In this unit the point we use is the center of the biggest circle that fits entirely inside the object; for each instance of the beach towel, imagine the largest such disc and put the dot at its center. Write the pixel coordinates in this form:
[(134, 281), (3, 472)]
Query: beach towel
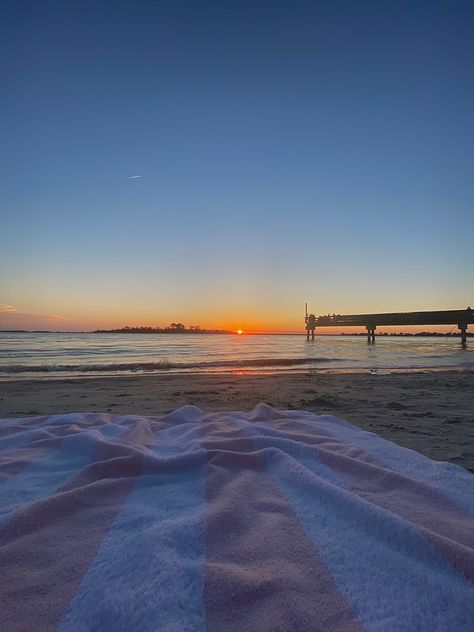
[(263, 521)]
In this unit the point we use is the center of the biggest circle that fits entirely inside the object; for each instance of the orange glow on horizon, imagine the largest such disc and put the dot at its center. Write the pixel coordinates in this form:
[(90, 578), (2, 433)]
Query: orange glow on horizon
[(245, 322)]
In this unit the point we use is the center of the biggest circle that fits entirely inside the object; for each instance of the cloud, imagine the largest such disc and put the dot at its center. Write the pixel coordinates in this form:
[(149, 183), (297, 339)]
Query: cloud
[(11, 311), (135, 177), (53, 316)]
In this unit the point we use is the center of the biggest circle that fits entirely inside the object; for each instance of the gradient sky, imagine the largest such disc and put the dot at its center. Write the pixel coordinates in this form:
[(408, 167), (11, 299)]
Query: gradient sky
[(287, 151)]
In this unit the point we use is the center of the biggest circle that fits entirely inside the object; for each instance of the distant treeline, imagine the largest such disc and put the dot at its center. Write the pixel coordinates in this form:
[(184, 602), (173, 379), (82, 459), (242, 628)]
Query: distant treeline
[(174, 328)]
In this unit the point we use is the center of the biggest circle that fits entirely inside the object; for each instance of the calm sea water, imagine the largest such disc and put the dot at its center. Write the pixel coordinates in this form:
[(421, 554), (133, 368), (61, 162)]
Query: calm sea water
[(24, 355)]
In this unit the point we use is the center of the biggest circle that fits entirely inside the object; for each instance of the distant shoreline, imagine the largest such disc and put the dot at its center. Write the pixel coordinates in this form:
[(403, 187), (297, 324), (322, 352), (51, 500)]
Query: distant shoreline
[(144, 330), (423, 334)]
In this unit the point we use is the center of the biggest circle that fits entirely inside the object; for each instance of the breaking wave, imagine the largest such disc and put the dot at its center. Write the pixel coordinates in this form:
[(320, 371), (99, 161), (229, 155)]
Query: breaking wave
[(163, 365)]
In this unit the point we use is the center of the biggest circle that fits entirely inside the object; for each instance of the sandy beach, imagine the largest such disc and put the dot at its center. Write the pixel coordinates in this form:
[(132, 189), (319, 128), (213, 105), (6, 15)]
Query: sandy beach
[(432, 413)]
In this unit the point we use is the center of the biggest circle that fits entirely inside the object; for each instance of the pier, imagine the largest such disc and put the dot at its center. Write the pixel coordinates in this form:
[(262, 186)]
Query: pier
[(459, 317)]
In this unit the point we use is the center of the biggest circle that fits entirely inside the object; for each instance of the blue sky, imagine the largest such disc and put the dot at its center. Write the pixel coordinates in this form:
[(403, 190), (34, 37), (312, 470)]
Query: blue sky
[(316, 151)]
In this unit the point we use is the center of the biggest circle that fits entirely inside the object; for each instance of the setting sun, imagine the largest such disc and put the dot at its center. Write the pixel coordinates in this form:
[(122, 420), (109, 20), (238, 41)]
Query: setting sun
[(240, 332)]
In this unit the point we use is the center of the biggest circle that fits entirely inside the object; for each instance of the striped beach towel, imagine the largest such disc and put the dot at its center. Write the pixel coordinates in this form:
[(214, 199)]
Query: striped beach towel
[(267, 521)]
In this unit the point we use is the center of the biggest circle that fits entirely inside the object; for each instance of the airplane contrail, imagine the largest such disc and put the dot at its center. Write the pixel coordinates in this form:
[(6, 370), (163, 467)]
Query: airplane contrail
[(133, 177)]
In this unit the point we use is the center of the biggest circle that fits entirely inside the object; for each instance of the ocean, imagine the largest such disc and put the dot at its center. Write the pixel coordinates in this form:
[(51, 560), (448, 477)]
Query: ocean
[(53, 355)]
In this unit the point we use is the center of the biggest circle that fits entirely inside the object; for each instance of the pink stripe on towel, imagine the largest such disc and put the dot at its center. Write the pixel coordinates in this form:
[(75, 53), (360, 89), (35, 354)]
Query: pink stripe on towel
[(262, 573), (46, 549)]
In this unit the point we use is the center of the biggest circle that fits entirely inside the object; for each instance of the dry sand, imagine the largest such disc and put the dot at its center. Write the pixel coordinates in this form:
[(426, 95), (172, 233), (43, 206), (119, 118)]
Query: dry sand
[(429, 412)]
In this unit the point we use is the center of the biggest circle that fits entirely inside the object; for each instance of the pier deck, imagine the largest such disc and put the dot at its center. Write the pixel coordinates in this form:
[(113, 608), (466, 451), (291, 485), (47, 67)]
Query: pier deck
[(460, 317)]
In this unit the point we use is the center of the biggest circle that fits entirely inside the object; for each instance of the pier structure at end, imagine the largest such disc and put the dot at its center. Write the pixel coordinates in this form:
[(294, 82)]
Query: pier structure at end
[(310, 323)]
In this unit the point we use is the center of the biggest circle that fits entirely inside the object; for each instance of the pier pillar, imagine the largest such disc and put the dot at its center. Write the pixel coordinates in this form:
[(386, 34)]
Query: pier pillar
[(310, 326), (463, 328), (371, 333)]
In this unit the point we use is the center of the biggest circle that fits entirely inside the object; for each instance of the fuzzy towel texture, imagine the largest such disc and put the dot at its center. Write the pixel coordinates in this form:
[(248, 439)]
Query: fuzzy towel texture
[(264, 521)]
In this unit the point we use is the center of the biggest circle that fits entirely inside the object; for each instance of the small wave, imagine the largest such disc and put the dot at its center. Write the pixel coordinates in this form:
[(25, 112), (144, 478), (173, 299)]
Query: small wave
[(162, 365)]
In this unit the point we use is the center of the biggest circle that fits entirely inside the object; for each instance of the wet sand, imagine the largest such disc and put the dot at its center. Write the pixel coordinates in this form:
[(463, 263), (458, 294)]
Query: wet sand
[(432, 413)]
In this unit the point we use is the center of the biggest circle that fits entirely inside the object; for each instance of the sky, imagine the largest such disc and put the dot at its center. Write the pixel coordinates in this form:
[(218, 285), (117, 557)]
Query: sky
[(220, 163)]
